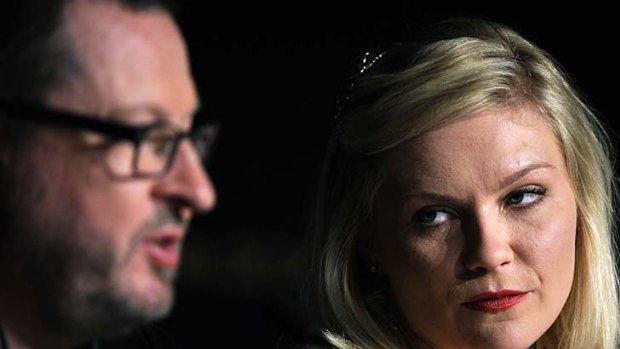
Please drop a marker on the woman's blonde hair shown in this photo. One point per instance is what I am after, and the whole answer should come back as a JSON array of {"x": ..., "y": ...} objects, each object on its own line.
[{"x": 458, "y": 68}]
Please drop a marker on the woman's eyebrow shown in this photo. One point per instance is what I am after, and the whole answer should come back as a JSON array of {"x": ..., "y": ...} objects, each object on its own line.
[{"x": 522, "y": 172}]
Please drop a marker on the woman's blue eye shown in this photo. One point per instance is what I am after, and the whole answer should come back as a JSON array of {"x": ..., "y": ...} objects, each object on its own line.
[
  {"x": 431, "y": 217},
  {"x": 525, "y": 196}
]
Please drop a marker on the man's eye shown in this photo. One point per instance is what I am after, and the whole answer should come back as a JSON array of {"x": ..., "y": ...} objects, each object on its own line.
[
  {"x": 163, "y": 146},
  {"x": 526, "y": 196},
  {"x": 159, "y": 142},
  {"x": 431, "y": 216}
]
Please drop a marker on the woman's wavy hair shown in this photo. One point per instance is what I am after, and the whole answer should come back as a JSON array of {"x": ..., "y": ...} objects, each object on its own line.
[{"x": 456, "y": 69}]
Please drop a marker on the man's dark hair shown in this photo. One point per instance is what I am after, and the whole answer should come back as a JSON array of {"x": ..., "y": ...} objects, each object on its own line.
[{"x": 35, "y": 52}]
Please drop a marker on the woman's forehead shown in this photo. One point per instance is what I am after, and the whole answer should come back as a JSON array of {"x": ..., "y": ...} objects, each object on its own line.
[{"x": 476, "y": 149}]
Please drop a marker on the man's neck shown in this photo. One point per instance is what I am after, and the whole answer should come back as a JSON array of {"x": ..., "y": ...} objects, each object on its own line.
[
  {"x": 4, "y": 344},
  {"x": 18, "y": 340},
  {"x": 21, "y": 328}
]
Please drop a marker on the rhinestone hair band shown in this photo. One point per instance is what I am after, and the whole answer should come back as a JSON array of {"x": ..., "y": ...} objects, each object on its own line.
[{"x": 365, "y": 62}]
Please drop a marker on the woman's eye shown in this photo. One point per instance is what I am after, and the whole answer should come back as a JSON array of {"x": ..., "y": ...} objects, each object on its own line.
[
  {"x": 525, "y": 196},
  {"x": 431, "y": 217}
]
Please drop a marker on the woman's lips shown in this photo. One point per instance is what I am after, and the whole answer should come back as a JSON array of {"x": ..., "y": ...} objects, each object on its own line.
[{"x": 493, "y": 302}]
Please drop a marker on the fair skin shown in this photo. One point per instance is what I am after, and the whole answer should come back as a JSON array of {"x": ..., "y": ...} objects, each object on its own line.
[
  {"x": 470, "y": 209},
  {"x": 113, "y": 245}
]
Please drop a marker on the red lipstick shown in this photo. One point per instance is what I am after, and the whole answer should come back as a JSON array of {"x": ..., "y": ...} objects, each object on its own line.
[{"x": 493, "y": 302}]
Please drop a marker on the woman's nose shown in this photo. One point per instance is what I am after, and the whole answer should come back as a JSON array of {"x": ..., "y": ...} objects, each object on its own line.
[{"x": 487, "y": 243}]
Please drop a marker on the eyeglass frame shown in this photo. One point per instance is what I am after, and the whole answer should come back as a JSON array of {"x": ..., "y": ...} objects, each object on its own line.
[{"x": 81, "y": 121}]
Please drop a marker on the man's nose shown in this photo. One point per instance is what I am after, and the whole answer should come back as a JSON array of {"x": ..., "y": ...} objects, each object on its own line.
[
  {"x": 487, "y": 243},
  {"x": 187, "y": 184}
]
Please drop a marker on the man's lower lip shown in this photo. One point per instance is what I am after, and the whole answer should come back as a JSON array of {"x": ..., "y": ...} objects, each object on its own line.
[
  {"x": 163, "y": 256},
  {"x": 495, "y": 305}
]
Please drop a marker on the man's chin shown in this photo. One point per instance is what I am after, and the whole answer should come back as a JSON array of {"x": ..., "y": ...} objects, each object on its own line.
[
  {"x": 123, "y": 308},
  {"x": 152, "y": 302},
  {"x": 110, "y": 313}
]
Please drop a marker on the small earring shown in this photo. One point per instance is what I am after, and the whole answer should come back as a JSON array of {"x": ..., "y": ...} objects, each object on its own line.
[{"x": 373, "y": 269}]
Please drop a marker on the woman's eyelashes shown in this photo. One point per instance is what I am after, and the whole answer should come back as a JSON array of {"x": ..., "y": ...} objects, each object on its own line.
[
  {"x": 525, "y": 197},
  {"x": 432, "y": 216},
  {"x": 521, "y": 198}
]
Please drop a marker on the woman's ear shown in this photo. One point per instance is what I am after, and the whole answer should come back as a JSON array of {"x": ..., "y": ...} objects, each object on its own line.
[
  {"x": 4, "y": 143},
  {"x": 368, "y": 248}
]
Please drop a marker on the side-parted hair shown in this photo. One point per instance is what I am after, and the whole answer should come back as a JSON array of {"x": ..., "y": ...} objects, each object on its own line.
[{"x": 456, "y": 69}]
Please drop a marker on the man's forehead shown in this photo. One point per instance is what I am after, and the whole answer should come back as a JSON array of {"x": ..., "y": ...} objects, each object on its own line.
[
  {"x": 129, "y": 60},
  {"x": 93, "y": 24}
]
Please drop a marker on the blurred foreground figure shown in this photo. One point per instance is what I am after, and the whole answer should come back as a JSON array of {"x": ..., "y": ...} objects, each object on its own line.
[{"x": 100, "y": 168}]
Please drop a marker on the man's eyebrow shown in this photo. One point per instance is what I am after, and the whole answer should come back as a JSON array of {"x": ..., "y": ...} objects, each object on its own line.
[
  {"x": 522, "y": 172},
  {"x": 132, "y": 111},
  {"x": 158, "y": 115}
]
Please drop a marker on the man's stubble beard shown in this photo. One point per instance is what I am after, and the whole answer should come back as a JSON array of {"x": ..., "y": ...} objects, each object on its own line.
[{"x": 71, "y": 270}]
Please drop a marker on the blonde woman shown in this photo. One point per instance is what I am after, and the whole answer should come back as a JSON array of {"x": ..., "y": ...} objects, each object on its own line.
[{"x": 467, "y": 201}]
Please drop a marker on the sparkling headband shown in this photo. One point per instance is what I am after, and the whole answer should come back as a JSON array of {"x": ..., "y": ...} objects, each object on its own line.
[{"x": 364, "y": 63}]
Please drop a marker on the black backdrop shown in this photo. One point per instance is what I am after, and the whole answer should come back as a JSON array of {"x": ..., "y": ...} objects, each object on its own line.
[{"x": 271, "y": 73}]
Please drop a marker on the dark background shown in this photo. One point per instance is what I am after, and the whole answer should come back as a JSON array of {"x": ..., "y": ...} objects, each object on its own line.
[{"x": 271, "y": 73}]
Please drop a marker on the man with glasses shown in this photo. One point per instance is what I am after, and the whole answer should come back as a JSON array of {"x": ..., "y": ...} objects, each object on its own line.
[{"x": 100, "y": 168}]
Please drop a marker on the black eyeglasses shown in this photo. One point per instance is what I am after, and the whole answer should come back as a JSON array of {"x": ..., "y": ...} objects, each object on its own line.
[{"x": 149, "y": 151}]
